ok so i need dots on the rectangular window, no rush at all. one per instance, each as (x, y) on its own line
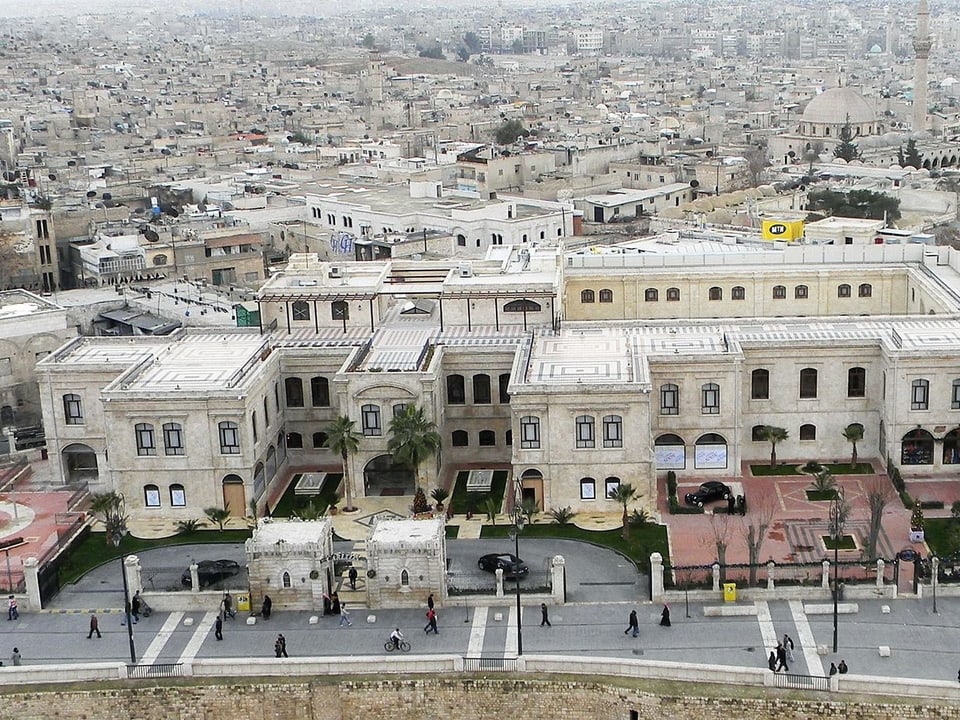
(920, 395)
(151, 496)
(585, 432)
(669, 400)
(145, 440)
(530, 433)
(173, 439)
(229, 438)
(72, 410)
(588, 489)
(370, 420)
(6, 368)
(178, 498)
(610, 485)
(955, 399)
(711, 399)
(612, 431)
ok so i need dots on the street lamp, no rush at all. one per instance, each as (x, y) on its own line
(515, 532)
(116, 538)
(836, 519)
(935, 570)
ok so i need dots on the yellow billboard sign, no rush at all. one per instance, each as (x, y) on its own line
(788, 230)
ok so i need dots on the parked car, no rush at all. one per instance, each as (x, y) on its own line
(707, 492)
(211, 572)
(511, 564)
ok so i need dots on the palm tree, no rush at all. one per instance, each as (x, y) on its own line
(345, 441)
(413, 439)
(854, 434)
(218, 516)
(110, 507)
(623, 494)
(774, 435)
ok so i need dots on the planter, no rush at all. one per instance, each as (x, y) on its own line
(916, 536)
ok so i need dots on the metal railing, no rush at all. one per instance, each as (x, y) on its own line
(489, 664)
(801, 682)
(157, 670)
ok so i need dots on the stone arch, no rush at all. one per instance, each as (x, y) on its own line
(384, 476)
(79, 463)
(670, 452)
(916, 448)
(234, 495)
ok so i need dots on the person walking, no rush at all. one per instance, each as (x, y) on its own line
(278, 648)
(266, 608)
(833, 671)
(228, 611)
(344, 616)
(12, 612)
(94, 626)
(135, 607)
(15, 657)
(218, 628)
(430, 601)
(282, 645)
(782, 658)
(431, 622)
(544, 615)
(352, 576)
(634, 624)
(788, 646)
(772, 661)
(842, 667)
(665, 616)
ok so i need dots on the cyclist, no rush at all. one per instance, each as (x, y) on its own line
(396, 636)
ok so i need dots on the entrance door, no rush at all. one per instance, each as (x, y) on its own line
(234, 499)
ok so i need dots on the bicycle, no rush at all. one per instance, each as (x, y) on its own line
(390, 647)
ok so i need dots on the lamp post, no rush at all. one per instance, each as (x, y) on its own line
(116, 538)
(935, 572)
(837, 522)
(515, 531)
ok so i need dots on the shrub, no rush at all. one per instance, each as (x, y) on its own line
(932, 505)
(955, 510)
(671, 483)
(420, 504)
(563, 516)
(640, 517)
(189, 526)
(916, 518)
(439, 494)
(812, 467)
(823, 481)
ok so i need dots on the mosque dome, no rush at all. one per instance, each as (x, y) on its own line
(838, 106)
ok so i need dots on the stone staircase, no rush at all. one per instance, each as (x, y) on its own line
(355, 599)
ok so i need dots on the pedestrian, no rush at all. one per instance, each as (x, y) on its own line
(135, 607)
(94, 626)
(344, 616)
(282, 643)
(266, 607)
(731, 504)
(218, 628)
(12, 612)
(430, 601)
(782, 658)
(327, 605)
(544, 616)
(228, 611)
(431, 622)
(842, 667)
(665, 616)
(634, 624)
(833, 671)
(352, 575)
(126, 612)
(278, 648)
(772, 661)
(788, 646)
(335, 603)
(15, 657)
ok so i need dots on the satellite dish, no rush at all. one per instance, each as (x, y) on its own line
(151, 235)
(71, 163)
(108, 196)
(694, 183)
(52, 176)
(9, 176)
(91, 193)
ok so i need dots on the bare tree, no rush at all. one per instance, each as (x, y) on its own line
(756, 164)
(754, 528)
(720, 531)
(879, 493)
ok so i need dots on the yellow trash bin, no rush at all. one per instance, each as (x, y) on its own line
(729, 592)
(243, 602)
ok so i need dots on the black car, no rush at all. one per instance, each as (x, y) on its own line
(708, 491)
(211, 572)
(512, 565)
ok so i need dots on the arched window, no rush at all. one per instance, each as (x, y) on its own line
(800, 292)
(606, 296)
(865, 290)
(760, 384)
(320, 391)
(456, 394)
(173, 439)
(523, 305)
(585, 431)
(673, 294)
(843, 291)
(951, 447)
(400, 409)
(339, 310)
(610, 486)
(612, 431)
(488, 438)
(253, 425)
(370, 420)
(159, 260)
(715, 293)
(229, 438)
(178, 496)
(856, 382)
(320, 439)
(651, 295)
(460, 438)
(586, 296)
(737, 293)
(808, 432)
(151, 496)
(481, 389)
(779, 292)
(808, 383)
(301, 310)
(294, 441)
(710, 399)
(917, 448)
(710, 452)
(504, 381)
(757, 433)
(266, 413)
(588, 488)
(920, 394)
(286, 579)
(508, 438)
(669, 399)
(146, 444)
(404, 578)
(293, 389)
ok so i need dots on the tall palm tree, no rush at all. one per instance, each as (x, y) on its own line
(623, 494)
(854, 434)
(413, 439)
(345, 441)
(774, 435)
(110, 507)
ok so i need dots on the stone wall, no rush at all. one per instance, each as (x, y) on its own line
(460, 698)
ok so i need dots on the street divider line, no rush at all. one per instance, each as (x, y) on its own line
(158, 642)
(199, 635)
(477, 632)
(510, 647)
(808, 643)
(767, 631)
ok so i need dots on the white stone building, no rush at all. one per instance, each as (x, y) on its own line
(408, 560)
(292, 562)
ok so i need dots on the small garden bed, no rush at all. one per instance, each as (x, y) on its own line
(821, 495)
(291, 504)
(463, 502)
(847, 542)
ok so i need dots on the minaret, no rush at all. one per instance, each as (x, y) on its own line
(921, 46)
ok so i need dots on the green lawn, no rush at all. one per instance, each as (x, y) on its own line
(942, 535)
(848, 469)
(92, 548)
(779, 469)
(644, 539)
(846, 542)
(820, 495)
(462, 501)
(792, 469)
(292, 504)
(452, 531)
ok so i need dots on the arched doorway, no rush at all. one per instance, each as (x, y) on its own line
(79, 463)
(234, 497)
(6, 415)
(670, 452)
(917, 448)
(951, 447)
(711, 452)
(531, 486)
(383, 476)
